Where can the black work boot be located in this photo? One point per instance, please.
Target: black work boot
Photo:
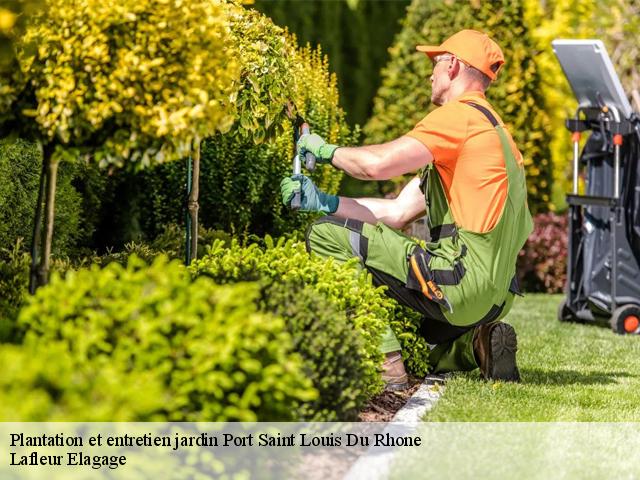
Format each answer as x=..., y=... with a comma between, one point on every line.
x=495, y=346
x=393, y=373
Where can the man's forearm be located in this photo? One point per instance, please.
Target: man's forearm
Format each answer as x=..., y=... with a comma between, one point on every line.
x=382, y=162
x=370, y=210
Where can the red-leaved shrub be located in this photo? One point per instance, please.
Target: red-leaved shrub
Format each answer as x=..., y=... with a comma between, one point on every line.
x=542, y=263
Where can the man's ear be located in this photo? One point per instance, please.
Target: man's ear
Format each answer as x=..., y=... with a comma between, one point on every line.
x=454, y=68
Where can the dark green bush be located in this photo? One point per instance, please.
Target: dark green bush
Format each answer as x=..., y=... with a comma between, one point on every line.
x=330, y=347
x=404, y=97
x=77, y=198
x=215, y=356
x=14, y=271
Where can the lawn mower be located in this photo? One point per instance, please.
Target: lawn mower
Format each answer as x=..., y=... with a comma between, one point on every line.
x=603, y=267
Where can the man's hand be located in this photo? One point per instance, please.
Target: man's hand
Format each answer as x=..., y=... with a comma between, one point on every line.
x=312, y=199
x=315, y=144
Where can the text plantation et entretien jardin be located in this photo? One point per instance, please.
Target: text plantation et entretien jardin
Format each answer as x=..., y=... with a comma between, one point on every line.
x=178, y=441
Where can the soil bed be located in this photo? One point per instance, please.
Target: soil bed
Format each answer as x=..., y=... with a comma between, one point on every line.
x=383, y=407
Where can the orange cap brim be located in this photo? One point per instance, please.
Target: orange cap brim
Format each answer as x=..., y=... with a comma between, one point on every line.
x=432, y=51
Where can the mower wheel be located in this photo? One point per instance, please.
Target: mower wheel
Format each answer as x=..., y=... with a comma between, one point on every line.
x=626, y=320
x=564, y=313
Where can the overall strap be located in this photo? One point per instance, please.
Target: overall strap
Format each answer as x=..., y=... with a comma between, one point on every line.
x=486, y=111
x=515, y=174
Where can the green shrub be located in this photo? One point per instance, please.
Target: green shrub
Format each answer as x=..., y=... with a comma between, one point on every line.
x=345, y=286
x=330, y=347
x=20, y=166
x=342, y=286
x=14, y=271
x=44, y=382
x=405, y=323
x=404, y=97
x=216, y=357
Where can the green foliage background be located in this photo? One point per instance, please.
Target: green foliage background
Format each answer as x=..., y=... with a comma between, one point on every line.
x=354, y=35
x=404, y=97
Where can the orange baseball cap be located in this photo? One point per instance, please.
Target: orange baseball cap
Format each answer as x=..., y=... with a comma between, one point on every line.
x=472, y=47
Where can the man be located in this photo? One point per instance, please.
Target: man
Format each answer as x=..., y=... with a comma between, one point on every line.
x=471, y=183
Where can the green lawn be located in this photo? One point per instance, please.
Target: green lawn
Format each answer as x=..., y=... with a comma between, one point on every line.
x=570, y=372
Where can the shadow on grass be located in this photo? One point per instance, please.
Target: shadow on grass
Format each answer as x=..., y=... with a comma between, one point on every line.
x=570, y=377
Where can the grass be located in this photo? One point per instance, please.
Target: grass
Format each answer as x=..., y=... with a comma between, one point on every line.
x=570, y=372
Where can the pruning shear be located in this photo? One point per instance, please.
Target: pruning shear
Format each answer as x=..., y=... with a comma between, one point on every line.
x=300, y=127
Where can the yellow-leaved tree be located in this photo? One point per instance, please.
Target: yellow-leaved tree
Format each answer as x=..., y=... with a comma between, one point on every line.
x=133, y=82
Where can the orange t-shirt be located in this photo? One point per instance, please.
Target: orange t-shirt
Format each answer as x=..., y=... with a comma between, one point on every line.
x=468, y=156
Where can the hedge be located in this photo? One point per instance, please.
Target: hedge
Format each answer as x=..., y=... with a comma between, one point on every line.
x=368, y=310
x=20, y=166
x=330, y=347
x=43, y=382
x=542, y=263
x=207, y=349
x=404, y=97
x=241, y=170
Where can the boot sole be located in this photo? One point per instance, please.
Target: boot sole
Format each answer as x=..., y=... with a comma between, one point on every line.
x=504, y=346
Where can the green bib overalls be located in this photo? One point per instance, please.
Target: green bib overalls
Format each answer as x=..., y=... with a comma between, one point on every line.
x=459, y=280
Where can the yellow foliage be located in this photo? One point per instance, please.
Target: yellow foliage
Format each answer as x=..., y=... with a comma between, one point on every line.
x=7, y=20
x=134, y=80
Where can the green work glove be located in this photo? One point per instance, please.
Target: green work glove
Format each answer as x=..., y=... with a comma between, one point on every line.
x=312, y=199
x=315, y=144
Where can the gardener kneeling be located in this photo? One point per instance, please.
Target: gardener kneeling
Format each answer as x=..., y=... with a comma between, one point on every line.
x=472, y=179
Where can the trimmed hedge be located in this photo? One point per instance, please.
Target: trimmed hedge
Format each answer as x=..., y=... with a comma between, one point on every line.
x=345, y=286
x=330, y=347
x=367, y=310
x=215, y=357
x=187, y=339
x=43, y=382
x=404, y=97
x=241, y=170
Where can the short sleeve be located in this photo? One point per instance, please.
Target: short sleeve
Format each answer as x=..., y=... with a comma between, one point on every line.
x=443, y=131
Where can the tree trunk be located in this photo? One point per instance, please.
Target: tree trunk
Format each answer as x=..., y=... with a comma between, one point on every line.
x=43, y=269
x=193, y=199
x=187, y=215
x=37, y=223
